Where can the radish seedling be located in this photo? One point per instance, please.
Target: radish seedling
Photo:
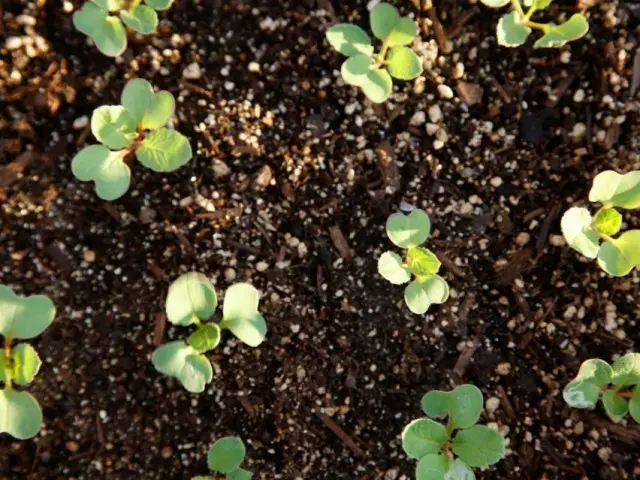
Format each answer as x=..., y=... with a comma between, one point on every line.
x=225, y=457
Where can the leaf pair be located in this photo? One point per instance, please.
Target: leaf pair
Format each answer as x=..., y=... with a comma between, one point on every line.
x=120, y=130
x=107, y=31
x=596, y=376
x=429, y=441
x=192, y=300
x=409, y=232
x=225, y=457
x=616, y=256
x=372, y=73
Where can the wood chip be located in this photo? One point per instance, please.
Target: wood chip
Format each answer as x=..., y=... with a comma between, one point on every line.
x=340, y=242
x=470, y=93
x=340, y=433
x=10, y=173
x=463, y=360
x=388, y=166
x=158, y=330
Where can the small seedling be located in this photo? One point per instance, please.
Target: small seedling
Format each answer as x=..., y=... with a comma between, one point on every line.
x=192, y=301
x=225, y=457
x=409, y=232
x=21, y=318
x=99, y=20
x=514, y=28
x=584, y=233
x=617, y=385
x=135, y=127
x=450, y=453
x=372, y=72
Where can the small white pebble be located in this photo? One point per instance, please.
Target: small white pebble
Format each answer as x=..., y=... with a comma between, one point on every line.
x=80, y=122
x=496, y=181
x=192, y=71
x=262, y=266
x=445, y=92
x=435, y=114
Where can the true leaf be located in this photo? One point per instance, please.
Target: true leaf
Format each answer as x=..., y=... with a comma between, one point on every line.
x=611, y=188
x=510, y=31
x=106, y=168
x=479, y=446
x=615, y=406
x=89, y=17
x=495, y=3
x=226, y=455
x=26, y=363
x=608, y=221
x=159, y=4
x=465, y=406
x=557, y=35
x=626, y=370
x=391, y=267
x=634, y=404
x=458, y=470
x=579, y=232
x=408, y=231
x=142, y=19
x=432, y=467
x=383, y=18
x=159, y=110
x=110, y=5
x=618, y=256
x=24, y=317
x=423, y=436
x=420, y=294
x=191, y=298
x=422, y=261
x=136, y=97
x=349, y=40
x=377, y=86
x=164, y=150
x=206, y=338
x=355, y=69
x=183, y=362
x=403, y=63
x=402, y=33
x=240, y=314
x=20, y=414
x=581, y=394
x=110, y=37
x=113, y=126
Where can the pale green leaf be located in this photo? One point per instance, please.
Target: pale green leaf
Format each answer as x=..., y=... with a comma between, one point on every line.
x=612, y=189
x=619, y=256
x=403, y=32
x=240, y=314
x=110, y=5
x=191, y=298
x=634, y=404
x=349, y=40
x=422, y=261
x=201, y=477
x=206, y=338
x=104, y=167
x=406, y=231
x=581, y=394
x=20, y=414
x=495, y=3
x=423, y=436
x=226, y=455
x=110, y=37
x=383, y=18
x=433, y=466
x=541, y=4
x=626, y=370
x=479, y=446
x=136, y=98
x=240, y=474
x=465, y=406
x=159, y=110
x=378, y=85
x=142, y=19
x=422, y=293
x=577, y=229
x=178, y=360
x=557, y=35
x=608, y=221
x=113, y=126
x=403, y=63
x=391, y=267
x=164, y=150
x=26, y=363
x=595, y=371
x=458, y=470
x=615, y=406
x=89, y=17
x=159, y=4
x=355, y=69
x=24, y=317
x=510, y=31
x=435, y=404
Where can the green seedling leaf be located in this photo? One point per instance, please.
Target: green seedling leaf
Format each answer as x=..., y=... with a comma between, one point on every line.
x=421, y=294
x=110, y=37
x=159, y=110
x=110, y=5
x=612, y=189
x=206, y=338
x=20, y=414
x=626, y=370
x=510, y=32
x=495, y=3
x=240, y=314
x=619, y=256
x=581, y=394
x=435, y=404
x=164, y=150
x=422, y=261
x=159, y=4
x=240, y=474
x=105, y=168
x=608, y=221
x=458, y=470
x=89, y=17
x=406, y=231
x=403, y=32
x=142, y=19
x=432, y=467
x=191, y=298
x=634, y=404
x=349, y=40
x=615, y=406
x=465, y=406
x=595, y=371
x=26, y=364
x=201, y=477
x=403, y=63
x=136, y=97
x=183, y=362
x=24, y=317
x=557, y=35
x=579, y=232
x=391, y=267
x=113, y=126
x=226, y=455
x=355, y=69
x=383, y=18
x=378, y=85
x=423, y=436
x=479, y=446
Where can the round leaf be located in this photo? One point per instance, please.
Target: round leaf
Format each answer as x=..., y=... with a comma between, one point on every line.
x=110, y=5
x=608, y=221
x=581, y=394
x=106, y=168
x=113, y=126
x=20, y=414
x=159, y=4
x=164, y=150
x=349, y=40
x=142, y=19
x=391, y=267
x=423, y=436
x=26, y=364
x=89, y=18
x=479, y=446
x=465, y=406
x=110, y=37
x=420, y=294
x=240, y=314
x=378, y=85
x=510, y=32
x=618, y=256
x=595, y=371
x=240, y=474
x=226, y=455
x=403, y=63
x=495, y=3
x=615, y=406
x=190, y=298
x=407, y=231
x=579, y=233
x=626, y=370
x=432, y=467
x=557, y=35
x=458, y=470
x=422, y=261
x=136, y=97
x=435, y=404
x=24, y=317
x=611, y=188
x=159, y=110
x=634, y=405
x=403, y=32
x=178, y=360
x=355, y=69
x=206, y=338
x=383, y=18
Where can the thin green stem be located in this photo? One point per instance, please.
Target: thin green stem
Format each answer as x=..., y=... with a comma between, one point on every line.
x=537, y=26
x=530, y=12
x=518, y=8
x=134, y=5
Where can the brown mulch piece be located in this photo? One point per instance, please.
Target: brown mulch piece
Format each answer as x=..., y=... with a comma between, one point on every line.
x=160, y=326
x=340, y=242
x=341, y=434
x=470, y=93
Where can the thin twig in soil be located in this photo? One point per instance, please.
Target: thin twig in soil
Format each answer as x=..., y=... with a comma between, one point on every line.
x=340, y=433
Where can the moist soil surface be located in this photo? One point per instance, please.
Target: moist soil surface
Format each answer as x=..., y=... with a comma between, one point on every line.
x=293, y=176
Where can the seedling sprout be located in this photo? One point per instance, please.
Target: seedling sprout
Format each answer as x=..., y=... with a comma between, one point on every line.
x=225, y=457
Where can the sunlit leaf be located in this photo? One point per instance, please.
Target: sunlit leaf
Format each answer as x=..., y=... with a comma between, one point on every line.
x=378, y=85
x=383, y=18
x=113, y=126
x=20, y=414
x=479, y=446
x=183, y=362
x=407, y=231
x=349, y=40
x=421, y=294
x=626, y=370
x=110, y=5
x=579, y=233
x=391, y=267
x=403, y=32
x=159, y=4
x=510, y=32
x=581, y=394
x=596, y=371
x=89, y=17
x=615, y=406
x=612, y=189
x=495, y=3
x=24, y=317
x=142, y=19
x=110, y=37
x=422, y=261
x=164, y=150
x=240, y=314
x=423, y=436
x=106, y=168
x=608, y=221
x=206, y=338
x=226, y=455
x=557, y=35
x=458, y=470
x=355, y=69
x=136, y=97
x=26, y=363
x=463, y=405
x=619, y=256
x=191, y=298
x=159, y=110
x=403, y=63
